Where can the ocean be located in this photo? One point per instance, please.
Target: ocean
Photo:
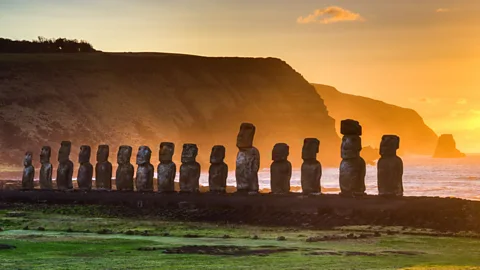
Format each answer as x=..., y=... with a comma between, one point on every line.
x=423, y=176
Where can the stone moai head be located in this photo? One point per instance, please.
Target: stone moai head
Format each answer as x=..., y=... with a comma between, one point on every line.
x=245, y=135
x=84, y=155
x=218, y=154
x=351, y=146
x=124, y=154
x=311, y=147
x=45, y=154
x=189, y=153
x=144, y=154
x=166, y=151
x=64, y=151
x=280, y=152
x=27, y=161
x=103, y=152
x=389, y=145
x=350, y=127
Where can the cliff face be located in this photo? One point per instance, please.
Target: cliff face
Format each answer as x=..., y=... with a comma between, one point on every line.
x=379, y=118
x=138, y=99
x=447, y=148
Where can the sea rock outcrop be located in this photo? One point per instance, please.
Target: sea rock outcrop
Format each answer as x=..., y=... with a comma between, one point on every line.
x=447, y=148
x=370, y=154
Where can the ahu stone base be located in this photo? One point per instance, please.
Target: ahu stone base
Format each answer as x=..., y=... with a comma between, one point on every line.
x=321, y=211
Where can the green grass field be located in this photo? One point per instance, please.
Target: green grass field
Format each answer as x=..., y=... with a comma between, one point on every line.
x=79, y=237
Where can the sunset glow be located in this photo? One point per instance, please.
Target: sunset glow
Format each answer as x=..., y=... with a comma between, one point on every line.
x=423, y=55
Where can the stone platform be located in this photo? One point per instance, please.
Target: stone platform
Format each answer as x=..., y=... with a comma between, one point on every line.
x=449, y=214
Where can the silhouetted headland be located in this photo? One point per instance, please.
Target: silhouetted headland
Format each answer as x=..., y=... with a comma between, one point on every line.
x=379, y=118
x=143, y=99
x=447, y=148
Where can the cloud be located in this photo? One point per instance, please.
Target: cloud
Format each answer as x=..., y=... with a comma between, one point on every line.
x=442, y=10
x=330, y=14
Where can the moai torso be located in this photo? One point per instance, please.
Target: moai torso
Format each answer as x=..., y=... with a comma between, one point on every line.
x=28, y=172
x=85, y=171
x=390, y=167
x=103, y=169
x=280, y=170
x=352, y=176
x=311, y=171
x=167, y=169
x=246, y=172
x=145, y=170
x=189, y=170
x=125, y=170
x=352, y=167
x=65, y=167
x=46, y=169
x=248, y=160
x=218, y=171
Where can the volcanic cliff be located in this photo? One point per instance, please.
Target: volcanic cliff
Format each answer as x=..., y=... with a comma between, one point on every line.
x=144, y=99
x=378, y=118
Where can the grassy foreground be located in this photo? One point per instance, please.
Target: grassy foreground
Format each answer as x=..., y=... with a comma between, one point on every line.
x=84, y=237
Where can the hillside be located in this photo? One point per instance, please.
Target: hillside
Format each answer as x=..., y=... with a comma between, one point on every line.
x=147, y=98
x=379, y=118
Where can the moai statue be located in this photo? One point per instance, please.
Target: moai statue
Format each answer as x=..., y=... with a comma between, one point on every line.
x=352, y=167
x=167, y=169
x=65, y=167
x=103, y=169
x=190, y=169
x=280, y=170
x=28, y=172
x=311, y=167
x=248, y=160
x=85, y=171
x=390, y=167
x=46, y=169
x=218, y=171
x=145, y=170
x=125, y=170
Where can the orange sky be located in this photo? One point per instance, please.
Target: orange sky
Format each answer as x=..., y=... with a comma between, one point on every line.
x=422, y=54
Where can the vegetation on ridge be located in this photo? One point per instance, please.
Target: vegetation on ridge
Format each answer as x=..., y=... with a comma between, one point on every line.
x=45, y=45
